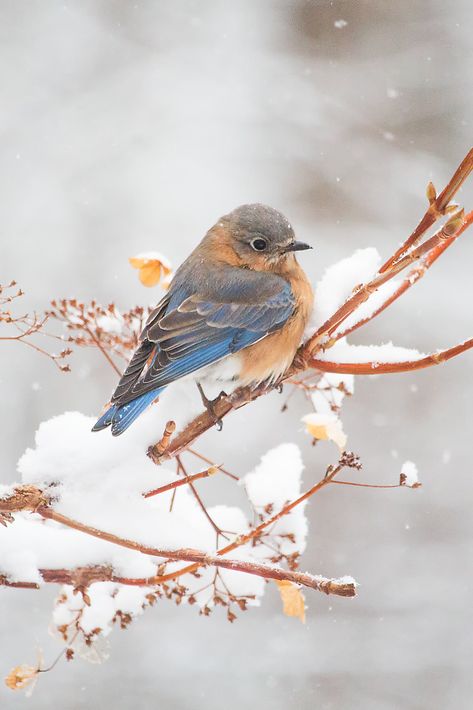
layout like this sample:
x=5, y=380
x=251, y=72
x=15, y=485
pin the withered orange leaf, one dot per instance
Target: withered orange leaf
x=153, y=268
x=21, y=677
x=326, y=427
x=292, y=599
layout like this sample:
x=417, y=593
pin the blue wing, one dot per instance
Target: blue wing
x=189, y=331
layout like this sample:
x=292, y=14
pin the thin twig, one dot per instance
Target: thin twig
x=31, y=498
x=202, y=559
x=199, y=500
x=211, y=463
x=338, y=587
x=102, y=349
x=383, y=368
x=347, y=459
x=413, y=276
x=448, y=232
x=435, y=210
x=182, y=482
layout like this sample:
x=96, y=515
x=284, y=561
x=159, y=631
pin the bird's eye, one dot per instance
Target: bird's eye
x=259, y=244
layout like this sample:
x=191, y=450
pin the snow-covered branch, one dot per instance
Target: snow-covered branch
x=32, y=499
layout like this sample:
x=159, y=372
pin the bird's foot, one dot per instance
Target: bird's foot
x=209, y=405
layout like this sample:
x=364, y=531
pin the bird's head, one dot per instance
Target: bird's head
x=261, y=237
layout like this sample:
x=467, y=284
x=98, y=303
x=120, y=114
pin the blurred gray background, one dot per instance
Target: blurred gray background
x=127, y=126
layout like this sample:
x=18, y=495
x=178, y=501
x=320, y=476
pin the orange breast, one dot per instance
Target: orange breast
x=271, y=356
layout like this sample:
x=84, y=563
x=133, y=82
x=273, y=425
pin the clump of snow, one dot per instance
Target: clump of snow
x=338, y=282
x=277, y=478
x=340, y=24
x=342, y=351
x=99, y=480
x=409, y=475
x=275, y=482
x=368, y=307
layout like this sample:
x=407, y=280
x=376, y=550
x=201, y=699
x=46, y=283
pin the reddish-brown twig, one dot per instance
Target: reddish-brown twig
x=321, y=338
x=382, y=368
x=202, y=559
x=99, y=345
x=347, y=460
x=413, y=276
x=31, y=498
x=83, y=577
x=436, y=209
x=200, y=502
x=182, y=482
x=211, y=463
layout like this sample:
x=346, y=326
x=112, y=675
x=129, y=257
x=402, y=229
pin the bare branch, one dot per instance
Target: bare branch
x=413, y=276
x=347, y=460
x=29, y=498
x=84, y=576
x=436, y=209
x=448, y=232
x=182, y=482
x=382, y=368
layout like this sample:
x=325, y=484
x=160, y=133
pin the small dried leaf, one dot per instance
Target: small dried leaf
x=292, y=599
x=327, y=427
x=22, y=677
x=153, y=269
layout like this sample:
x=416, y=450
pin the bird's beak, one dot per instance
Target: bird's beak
x=297, y=246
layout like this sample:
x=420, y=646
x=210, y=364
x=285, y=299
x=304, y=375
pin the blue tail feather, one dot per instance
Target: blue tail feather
x=121, y=417
x=105, y=420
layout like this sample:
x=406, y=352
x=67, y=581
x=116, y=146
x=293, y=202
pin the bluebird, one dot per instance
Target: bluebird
x=235, y=312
